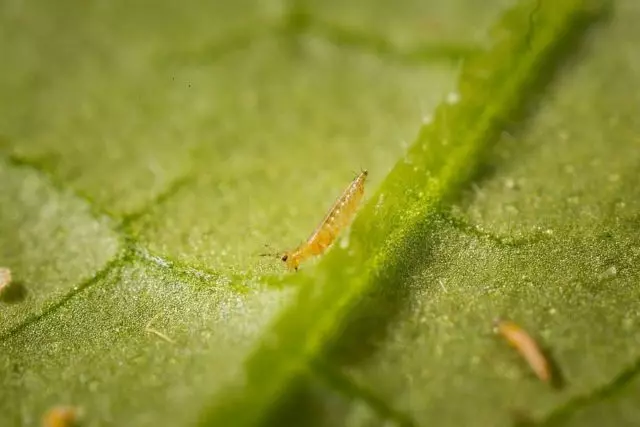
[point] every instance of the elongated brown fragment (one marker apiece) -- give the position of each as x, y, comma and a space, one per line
526, 346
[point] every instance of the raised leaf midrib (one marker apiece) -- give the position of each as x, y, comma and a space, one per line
416, 188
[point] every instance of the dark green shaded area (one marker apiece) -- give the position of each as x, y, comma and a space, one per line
613, 403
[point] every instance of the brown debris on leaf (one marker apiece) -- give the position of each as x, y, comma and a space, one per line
61, 416
5, 279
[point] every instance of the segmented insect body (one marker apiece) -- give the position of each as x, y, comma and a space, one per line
338, 217
526, 346
60, 416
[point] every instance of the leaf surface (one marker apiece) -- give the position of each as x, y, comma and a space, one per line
148, 154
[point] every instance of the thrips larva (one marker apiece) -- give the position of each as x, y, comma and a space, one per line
526, 346
338, 217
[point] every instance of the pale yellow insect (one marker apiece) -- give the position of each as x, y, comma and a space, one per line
61, 416
526, 346
5, 278
338, 217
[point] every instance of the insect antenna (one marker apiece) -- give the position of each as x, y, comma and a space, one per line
362, 171
270, 254
355, 173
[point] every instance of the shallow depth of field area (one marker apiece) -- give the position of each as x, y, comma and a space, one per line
150, 152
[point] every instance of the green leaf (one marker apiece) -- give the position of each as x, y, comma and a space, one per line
150, 151
35, 222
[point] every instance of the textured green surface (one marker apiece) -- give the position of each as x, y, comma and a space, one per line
149, 151
36, 221
95, 350
286, 107
574, 282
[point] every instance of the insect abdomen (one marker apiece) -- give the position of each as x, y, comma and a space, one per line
338, 217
